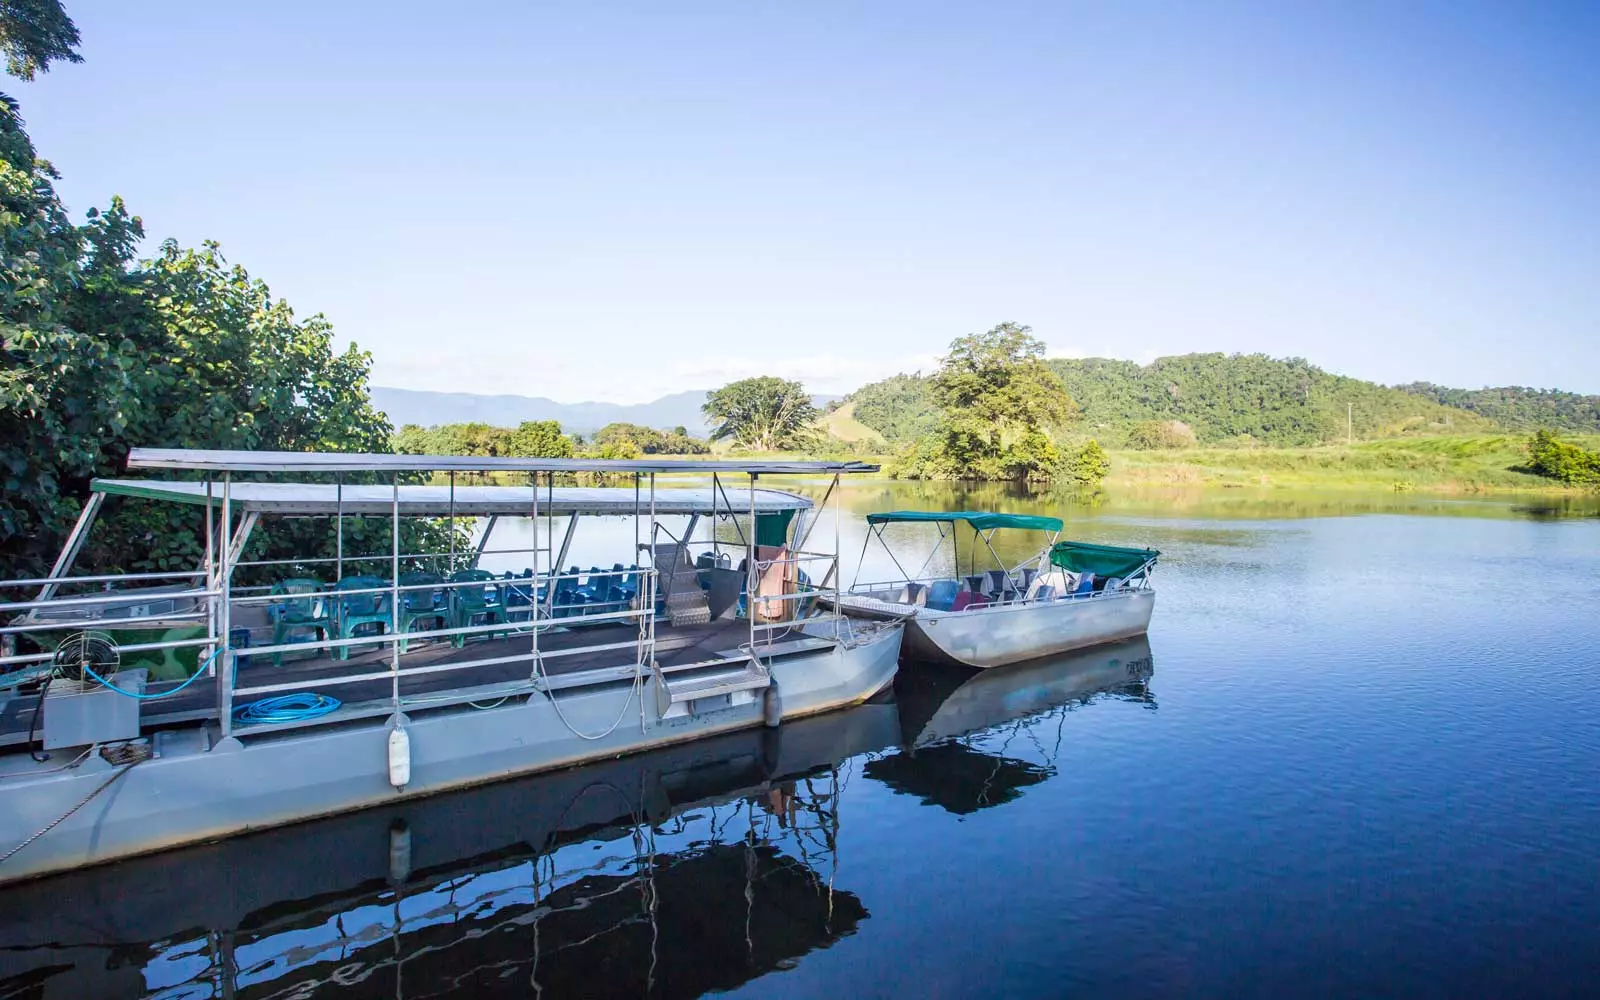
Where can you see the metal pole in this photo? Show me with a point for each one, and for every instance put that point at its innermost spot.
(225, 675)
(210, 569)
(837, 571)
(533, 584)
(752, 575)
(394, 595)
(338, 531)
(453, 516)
(75, 540)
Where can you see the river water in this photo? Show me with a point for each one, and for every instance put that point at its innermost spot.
(1358, 755)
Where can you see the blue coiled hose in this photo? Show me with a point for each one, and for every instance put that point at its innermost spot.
(295, 707)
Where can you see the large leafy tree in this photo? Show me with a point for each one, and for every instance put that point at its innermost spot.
(99, 352)
(999, 405)
(763, 414)
(34, 34)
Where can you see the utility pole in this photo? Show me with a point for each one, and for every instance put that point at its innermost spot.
(1350, 424)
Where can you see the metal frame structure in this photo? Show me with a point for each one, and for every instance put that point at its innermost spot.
(234, 505)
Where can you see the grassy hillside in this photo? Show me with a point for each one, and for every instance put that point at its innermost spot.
(1433, 464)
(1248, 398)
(842, 424)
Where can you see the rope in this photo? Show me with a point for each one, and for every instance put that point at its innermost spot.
(127, 755)
(297, 707)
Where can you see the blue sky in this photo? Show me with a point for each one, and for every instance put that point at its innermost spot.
(614, 202)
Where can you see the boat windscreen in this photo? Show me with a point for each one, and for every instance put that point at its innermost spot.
(980, 520)
(1101, 560)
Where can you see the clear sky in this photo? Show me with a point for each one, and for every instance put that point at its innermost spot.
(609, 201)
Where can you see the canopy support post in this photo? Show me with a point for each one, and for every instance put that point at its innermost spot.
(338, 530)
(224, 612)
(453, 517)
(75, 540)
(394, 598)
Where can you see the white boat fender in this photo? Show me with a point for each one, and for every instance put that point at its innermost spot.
(772, 704)
(399, 758)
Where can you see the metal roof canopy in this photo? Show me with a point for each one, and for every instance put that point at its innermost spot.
(326, 500)
(320, 461)
(980, 520)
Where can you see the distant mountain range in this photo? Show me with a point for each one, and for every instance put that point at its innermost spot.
(430, 409)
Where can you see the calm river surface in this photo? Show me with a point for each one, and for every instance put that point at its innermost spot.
(1359, 755)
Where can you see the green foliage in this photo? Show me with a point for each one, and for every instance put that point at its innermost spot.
(101, 353)
(637, 440)
(899, 408)
(1222, 398)
(529, 439)
(1554, 458)
(34, 34)
(998, 403)
(762, 414)
(1519, 408)
(1085, 466)
(1153, 435)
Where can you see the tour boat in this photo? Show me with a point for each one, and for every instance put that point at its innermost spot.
(251, 692)
(1065, 595)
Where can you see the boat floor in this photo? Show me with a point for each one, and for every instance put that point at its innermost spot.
(676, 646)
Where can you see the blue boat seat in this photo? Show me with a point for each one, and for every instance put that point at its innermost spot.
(942, 594)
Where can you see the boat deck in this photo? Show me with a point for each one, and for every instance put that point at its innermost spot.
(565, 652)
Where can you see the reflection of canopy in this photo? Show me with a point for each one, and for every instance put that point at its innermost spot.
(956, 777)
(593, 936)
(326, 500)
(1101, 560)
(980, 520)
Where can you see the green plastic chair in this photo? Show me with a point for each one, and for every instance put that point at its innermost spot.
(469, 603)
(421, 605)
(302, 608)
(356, 610)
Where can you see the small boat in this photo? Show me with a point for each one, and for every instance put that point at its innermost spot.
(1066, 595)
(251, 692)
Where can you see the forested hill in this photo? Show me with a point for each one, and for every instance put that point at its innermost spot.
(1220, 397)
(1519, 408)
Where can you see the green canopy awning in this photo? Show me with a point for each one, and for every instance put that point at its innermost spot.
(980, 520)
(1101, 560)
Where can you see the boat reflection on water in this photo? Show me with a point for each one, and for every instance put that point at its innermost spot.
(940, 705)
(675, 873)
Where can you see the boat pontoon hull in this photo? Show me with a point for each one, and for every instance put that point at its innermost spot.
(1010, 633)
(197, 790)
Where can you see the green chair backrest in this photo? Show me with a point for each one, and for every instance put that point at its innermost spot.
(419, 601)
(302, 599)
(476, 597)
(362, 604)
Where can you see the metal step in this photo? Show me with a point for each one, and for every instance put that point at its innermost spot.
(750, 677)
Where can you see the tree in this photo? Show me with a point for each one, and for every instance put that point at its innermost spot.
(34, 34)
(763, 414)
(999, 403)
(1550, 456)
(539, 439)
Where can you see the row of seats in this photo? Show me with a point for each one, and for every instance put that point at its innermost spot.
(998, 587)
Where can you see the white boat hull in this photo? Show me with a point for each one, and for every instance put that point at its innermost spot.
(195, 792)
(1010, 633)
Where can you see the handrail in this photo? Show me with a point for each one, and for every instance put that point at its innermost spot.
(119, 597)
(63, 581)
